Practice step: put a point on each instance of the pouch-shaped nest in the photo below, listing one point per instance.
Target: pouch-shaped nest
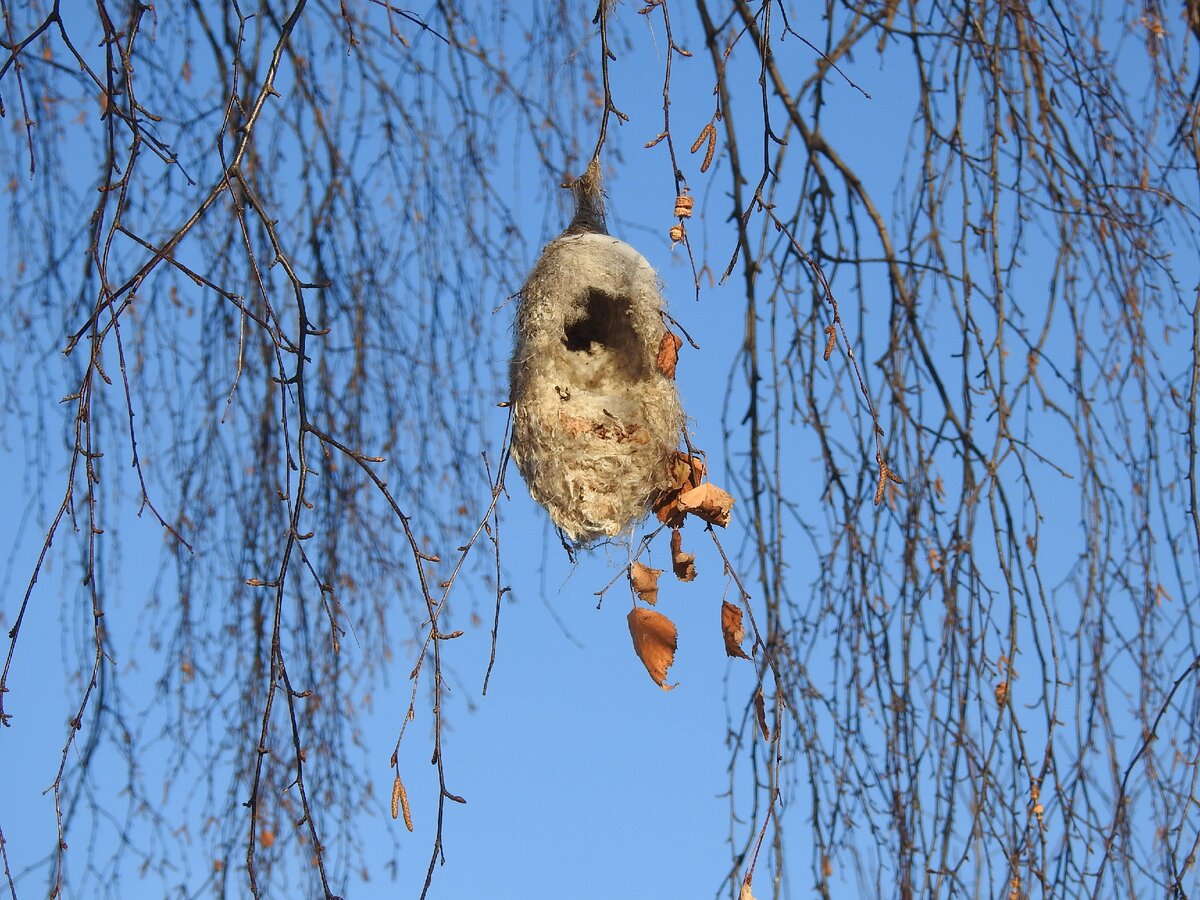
(594, 420)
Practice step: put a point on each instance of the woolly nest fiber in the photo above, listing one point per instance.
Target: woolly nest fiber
(595, 423)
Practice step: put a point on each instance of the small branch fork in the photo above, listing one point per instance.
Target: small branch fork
(771, 737)
(886, 474)
(770, 75)
(289, 356)
(603, 10)
(431, 647)
(764, 650)
(683, 209)
(121, 106)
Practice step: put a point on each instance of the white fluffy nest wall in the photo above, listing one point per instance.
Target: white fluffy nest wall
(595, 423)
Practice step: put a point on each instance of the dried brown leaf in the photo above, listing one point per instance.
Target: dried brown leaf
(708, 502)
(668, 354)
(731, 628)
(654, 641)
(686, 473)
(684, 564)
(645, 582)
(689, 471)
(666, 507)
(760, 708)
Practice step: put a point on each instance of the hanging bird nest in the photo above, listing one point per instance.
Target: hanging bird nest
(595, 419)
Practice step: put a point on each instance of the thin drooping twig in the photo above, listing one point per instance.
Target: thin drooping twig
(603, 11)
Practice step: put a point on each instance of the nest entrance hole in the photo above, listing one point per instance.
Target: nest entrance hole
(605, 325)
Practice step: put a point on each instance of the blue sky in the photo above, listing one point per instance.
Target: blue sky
(582, 778)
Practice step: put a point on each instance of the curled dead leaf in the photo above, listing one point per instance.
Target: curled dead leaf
(687, 472)
(731, 628)
(683, 564)
(760, 709)
(668, 353)
(654, 641)
(695, 470)
(708, 502)
(645, 582)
